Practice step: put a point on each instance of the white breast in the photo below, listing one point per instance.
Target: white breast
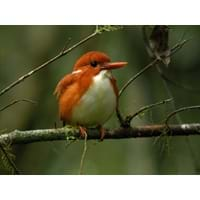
(97, 104)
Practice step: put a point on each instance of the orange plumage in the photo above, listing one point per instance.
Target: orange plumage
(88, 96)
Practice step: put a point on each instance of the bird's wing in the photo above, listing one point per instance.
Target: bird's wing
(84, 76)
(63, 84)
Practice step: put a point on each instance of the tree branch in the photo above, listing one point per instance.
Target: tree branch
(156, 61)
(129, 118)
(169, 116)
(64, 51)
(10, 161)
(17, 101)
(71, 133)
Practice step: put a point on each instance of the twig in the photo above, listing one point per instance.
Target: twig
(10, 161)
(176, 84)
(180, 110)
(137, 75)
(145, 37)
(120, 118)
(83, 154)
(17, 101)
(119, 115)
(31, 136)
(62, 53)
(141, 110)
(66, 44)
(160, 47)
(178, 46)
(173, 50)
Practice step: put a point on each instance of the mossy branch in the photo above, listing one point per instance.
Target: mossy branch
(72, 133)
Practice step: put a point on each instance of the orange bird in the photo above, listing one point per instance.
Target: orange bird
(89, 95)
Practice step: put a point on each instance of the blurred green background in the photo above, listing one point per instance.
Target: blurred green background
(25, 47)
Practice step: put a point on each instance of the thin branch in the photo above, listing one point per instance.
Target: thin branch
(66, 44)
(83, 154)
(159, 47)
(17, 101)
(119, 115)
(71, 133)
(61, 54)
(178, 46)
(145, 38)
(180, 110)
(145, 108)
(137, 75)
(176, 84)
(173, 50)
(4, 152)
(10, 161)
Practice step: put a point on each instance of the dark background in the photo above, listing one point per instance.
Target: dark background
(25, 47)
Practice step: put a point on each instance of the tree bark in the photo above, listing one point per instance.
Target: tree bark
(72, 133)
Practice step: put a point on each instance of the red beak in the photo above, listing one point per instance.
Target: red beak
(113, 65)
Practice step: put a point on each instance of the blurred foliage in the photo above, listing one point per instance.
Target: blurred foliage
(25, 47)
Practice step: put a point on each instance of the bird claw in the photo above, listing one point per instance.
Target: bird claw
(83, 131)
(102, 133)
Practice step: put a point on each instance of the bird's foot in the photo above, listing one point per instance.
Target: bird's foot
(83, 131)
(102, 132)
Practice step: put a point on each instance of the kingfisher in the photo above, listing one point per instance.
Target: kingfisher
(88, 96)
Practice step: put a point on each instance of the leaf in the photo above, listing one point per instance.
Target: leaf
(158, 43)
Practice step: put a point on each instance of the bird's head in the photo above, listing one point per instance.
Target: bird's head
(96, 59)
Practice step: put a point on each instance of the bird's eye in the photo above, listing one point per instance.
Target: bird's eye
(93, 63)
